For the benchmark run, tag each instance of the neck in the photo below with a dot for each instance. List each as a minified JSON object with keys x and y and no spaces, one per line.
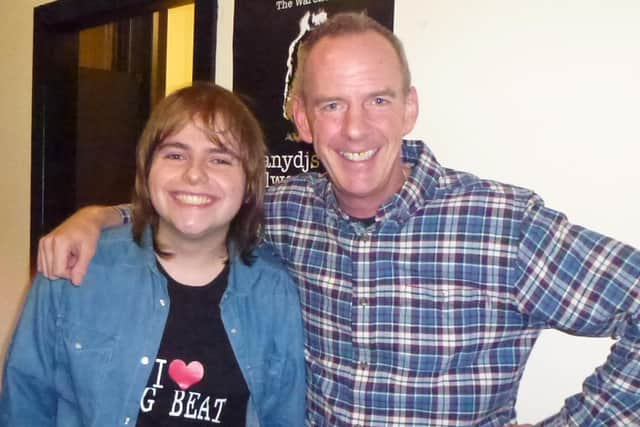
{"x":367,"y":207}
{"x":360,"y":209}
{"x":192,"y":271}
{"x":194,"y":263}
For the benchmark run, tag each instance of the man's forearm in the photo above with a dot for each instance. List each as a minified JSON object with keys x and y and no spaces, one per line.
{"x":124,"y":212}
{"x":67,"y":250}
{"x":108,"y":216}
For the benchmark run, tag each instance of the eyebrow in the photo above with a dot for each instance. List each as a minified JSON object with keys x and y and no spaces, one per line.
{"x":324,"y":99}
{"x":215,"y":148}
{"x":383,"y":92}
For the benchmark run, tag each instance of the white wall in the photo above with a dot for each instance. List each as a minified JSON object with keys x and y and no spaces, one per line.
{"x":540,"y":93}
{"x":544,"y":94}
{"x":16,"y":41}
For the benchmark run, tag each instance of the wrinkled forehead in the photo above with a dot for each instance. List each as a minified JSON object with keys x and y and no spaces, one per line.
{"x":353,"y":60}
{"x":359,"y":47}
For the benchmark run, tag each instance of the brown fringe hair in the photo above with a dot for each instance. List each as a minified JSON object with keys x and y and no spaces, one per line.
{"x":207,"y":104}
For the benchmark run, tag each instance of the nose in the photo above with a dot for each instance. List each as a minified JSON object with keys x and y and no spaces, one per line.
{"x":355,"y":125}
{"x":195,"y":172}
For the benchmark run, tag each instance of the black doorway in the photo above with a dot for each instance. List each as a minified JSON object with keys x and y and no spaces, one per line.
{"x":87,"y":113}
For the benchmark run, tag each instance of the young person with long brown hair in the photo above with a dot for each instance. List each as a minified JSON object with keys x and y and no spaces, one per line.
{"x":182,"y":321}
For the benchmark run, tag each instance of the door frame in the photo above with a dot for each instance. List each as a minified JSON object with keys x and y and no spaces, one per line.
{"x":54,"y":89}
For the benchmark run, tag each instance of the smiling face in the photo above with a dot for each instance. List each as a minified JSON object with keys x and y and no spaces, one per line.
{"x":196,"y":186}
{"x":354,"y":109}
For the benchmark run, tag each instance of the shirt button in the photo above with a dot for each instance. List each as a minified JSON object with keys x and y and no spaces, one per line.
{"x":144,"y":360}
{"x":363,"y":365}
{"x":364,"y":302}
{"x":234,"y":330}
{"x":364,"y":237}
{"x":77,"y":346}
{"x":162,"y":303}
{"x":126,"y":420}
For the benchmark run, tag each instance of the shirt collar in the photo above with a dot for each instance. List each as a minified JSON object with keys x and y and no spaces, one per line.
{"x":417,"y":190}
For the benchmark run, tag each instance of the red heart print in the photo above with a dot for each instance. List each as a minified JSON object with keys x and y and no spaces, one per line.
{"x":186,"y":375}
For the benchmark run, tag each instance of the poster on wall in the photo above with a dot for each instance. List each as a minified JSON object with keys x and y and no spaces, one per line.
{"x":266,"y":34}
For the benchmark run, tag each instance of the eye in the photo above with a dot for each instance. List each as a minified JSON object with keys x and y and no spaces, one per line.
{"x":331,"y":106}
{"x":221,"y":160}
{"x":173,"y":156}
{"x":379,"y":100}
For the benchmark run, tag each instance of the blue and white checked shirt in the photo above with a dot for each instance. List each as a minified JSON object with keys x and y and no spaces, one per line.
{"x":427,"y":316}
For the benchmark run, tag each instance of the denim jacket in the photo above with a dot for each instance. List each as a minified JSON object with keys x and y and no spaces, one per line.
{"x":81,"y":356}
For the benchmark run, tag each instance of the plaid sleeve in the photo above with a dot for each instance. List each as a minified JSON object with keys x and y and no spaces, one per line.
{"x":584,"y":283}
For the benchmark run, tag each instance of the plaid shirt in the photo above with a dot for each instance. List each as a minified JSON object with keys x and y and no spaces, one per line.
{"x":427,"y":316}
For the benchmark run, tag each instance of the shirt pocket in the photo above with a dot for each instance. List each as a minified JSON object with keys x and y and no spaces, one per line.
{"x":85,"y":360}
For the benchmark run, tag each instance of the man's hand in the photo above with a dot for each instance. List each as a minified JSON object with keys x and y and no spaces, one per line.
{"x":67,"y":250}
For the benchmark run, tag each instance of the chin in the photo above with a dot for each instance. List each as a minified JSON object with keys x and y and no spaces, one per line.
{"x":360,"y":185}
{"x":192,"y":231}
{"x":353,"y":193}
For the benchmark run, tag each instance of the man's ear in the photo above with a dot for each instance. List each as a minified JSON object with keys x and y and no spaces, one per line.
{"x":411,"y":110}
{"x":301,"y":119}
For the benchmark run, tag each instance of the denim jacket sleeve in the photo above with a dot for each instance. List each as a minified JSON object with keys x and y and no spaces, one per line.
{"x":584,"y":283}
{"x":286,"y":403}
{"x":28,"y":390}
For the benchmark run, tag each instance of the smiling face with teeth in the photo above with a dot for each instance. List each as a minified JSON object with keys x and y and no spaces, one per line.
{"x":196,"y":186}
{"x":355,"y":108}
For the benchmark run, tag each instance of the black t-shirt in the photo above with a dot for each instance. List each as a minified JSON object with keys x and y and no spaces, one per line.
{"x":196,"y":380}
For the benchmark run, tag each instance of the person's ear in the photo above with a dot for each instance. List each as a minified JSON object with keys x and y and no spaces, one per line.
{"x":301,"y":119}
{"x":411,"y":110}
